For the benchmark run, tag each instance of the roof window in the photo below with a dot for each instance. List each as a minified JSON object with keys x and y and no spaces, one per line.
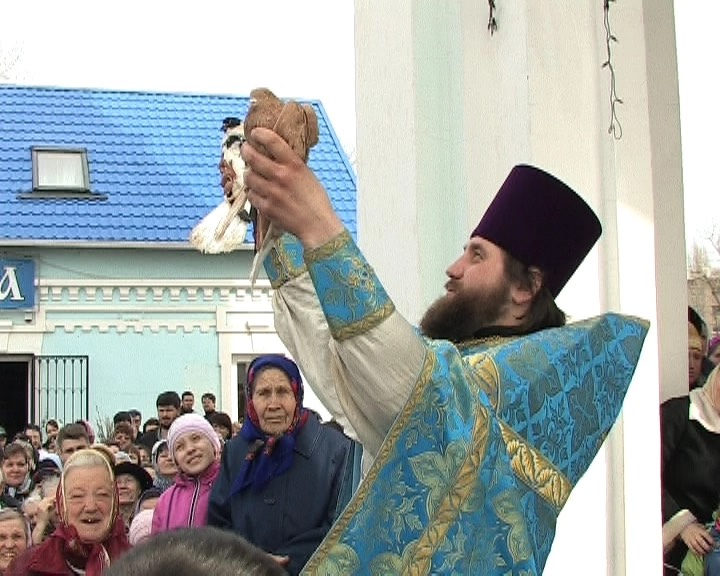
{"x":60,"y":170}
{"x":60,"y":173}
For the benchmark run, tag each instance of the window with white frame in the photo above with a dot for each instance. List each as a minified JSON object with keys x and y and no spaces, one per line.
{"x":60,"y":170}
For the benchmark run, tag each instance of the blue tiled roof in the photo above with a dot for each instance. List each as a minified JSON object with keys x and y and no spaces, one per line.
{"x":153,"y":155}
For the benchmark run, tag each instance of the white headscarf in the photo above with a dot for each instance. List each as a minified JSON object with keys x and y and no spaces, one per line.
{"x":705,"y":403}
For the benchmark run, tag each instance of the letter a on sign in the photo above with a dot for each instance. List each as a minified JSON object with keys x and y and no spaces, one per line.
{"x":9,"y":287}
{"x":17,"y":284}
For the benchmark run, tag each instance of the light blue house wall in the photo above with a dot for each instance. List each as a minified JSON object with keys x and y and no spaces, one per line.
{"x":129,"y":367}
{"x":117,"y":283}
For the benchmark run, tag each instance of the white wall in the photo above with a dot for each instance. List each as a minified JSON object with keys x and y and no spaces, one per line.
{"x":444,"y":110}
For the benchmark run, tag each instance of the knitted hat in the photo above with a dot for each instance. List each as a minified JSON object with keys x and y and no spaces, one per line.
{"x":192,"y":423}
{"x":140,"y":527}
{"x":542,"y":222}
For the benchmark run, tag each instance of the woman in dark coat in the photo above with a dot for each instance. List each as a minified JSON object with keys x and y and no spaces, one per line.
{"x":690,"y":431}
{"x":285,"y":478}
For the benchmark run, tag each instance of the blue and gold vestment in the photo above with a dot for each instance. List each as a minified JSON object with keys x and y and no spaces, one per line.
{"x":482,"y":457}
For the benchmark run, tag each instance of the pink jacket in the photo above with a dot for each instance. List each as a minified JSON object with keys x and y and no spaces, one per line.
{"x":185,"y":503}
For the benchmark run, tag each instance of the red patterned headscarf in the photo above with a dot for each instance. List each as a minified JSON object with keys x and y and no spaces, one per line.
{"x":64,"y":547}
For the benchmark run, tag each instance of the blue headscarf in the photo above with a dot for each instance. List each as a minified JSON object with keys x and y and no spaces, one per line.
{"x":269,"y":456}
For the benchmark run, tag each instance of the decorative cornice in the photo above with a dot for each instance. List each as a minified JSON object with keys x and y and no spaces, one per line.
{"x":156,"y":305}
{"x":195,"y":291}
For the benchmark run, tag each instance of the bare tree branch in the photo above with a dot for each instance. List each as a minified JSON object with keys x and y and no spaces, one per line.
{"x":9,"y":58}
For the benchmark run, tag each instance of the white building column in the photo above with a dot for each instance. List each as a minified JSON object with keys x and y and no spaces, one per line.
{"x":444,"y":110}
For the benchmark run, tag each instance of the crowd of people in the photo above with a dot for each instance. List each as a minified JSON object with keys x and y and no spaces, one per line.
{"x":690,"y":433}
{"x":74,"y":504}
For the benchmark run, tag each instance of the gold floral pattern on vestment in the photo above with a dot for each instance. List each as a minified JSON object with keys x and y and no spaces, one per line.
{"x":536,"y":471}
{"x":458,"y":492}
{"x":331,"y":550}
{"x":485,"y":375}
{"x":329,"y":249}
{"x":342,"y":331}
{"x":286,"y":267}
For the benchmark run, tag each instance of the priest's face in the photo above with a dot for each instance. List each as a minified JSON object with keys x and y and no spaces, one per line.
{"x":477,"y":294}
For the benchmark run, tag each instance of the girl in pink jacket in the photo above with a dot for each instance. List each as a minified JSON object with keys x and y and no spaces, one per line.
{"x":195,"y":448}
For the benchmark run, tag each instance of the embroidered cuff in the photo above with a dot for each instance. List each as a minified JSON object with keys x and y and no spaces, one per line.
{"x":285,"y":261}
{"x":351,"y":296}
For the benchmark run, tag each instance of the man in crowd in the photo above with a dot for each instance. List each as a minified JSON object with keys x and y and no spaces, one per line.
{"x":136,"y":417}
{"x":34,"y":435}
{"x":208,"y":404}
{"x":187,"y":400}
{"x":70,"y":439}
{"x":168,"y":409}
{"x":452,"y":413}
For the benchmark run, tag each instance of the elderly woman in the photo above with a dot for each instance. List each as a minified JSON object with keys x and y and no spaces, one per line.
{"x":285,"y":477}
{"x":131,"y":480}
{"x":91,"y":533}
{"x":14,"y":537}
{"x":690,"y":432}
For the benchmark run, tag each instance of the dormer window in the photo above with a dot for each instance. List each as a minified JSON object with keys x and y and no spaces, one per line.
{"x":60,"y":170}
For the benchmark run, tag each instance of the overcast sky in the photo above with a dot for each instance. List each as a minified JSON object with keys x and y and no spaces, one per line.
{"x":300,"y":49}
{"x":698,"y":47}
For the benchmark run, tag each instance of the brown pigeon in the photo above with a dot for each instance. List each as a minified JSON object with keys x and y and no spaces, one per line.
{"x":297,"y":124}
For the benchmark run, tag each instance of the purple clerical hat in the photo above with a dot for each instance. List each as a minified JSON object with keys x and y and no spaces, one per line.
{"x":541,"y":222}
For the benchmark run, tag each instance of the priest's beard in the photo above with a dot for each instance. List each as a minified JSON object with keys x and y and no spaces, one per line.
{"x":458,"y":316}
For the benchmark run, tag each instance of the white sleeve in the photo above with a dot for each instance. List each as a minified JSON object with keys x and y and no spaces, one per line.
{"x":364,"y":380}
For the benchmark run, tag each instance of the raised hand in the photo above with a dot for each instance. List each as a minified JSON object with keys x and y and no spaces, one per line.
{"x":286,"y":191}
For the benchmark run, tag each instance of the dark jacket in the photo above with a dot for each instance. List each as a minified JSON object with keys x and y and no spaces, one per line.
{"x":7,"y":501}
{"x":291,"y":515}
{"x":148,"y":439}
{"x":690,"y":468}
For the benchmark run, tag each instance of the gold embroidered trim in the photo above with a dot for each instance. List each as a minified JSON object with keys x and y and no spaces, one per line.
{"x":284,"y":264}
{"x":344,"y":331}
{"x":420,"y":562}
{"x":332,"y":539}
{"x":485,"y":375}
{"x":532,"y":468}
{"x":486,"y":341}
{"x":328,"y":249}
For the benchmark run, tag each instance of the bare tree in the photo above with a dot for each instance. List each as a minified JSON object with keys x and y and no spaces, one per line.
{"x":698,"y":262}
{"x":9,"y":59}
{"x":713,"y":237}
{"x":703,"y":282}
